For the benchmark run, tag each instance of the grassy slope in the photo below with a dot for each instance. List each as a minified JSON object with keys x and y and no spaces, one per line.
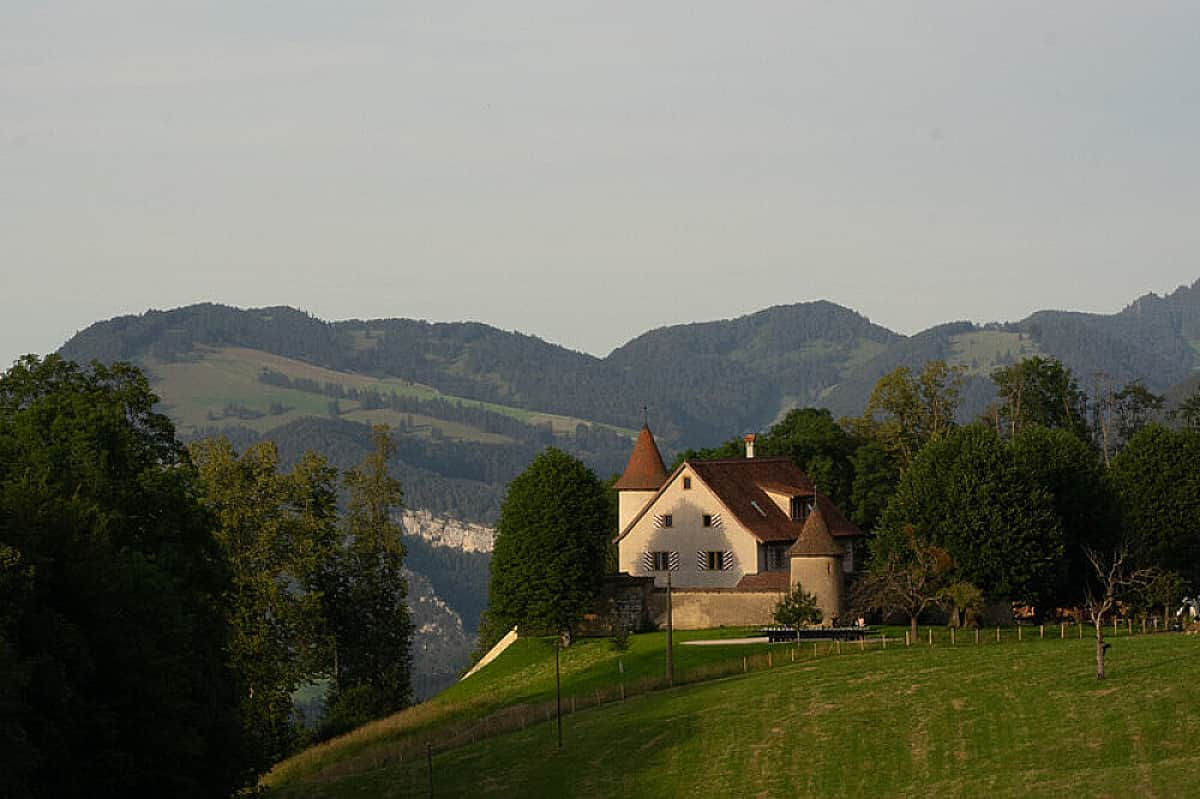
{"x":190,"y":389}
{"x":523,"y":674}
{"x":1023,"y":719}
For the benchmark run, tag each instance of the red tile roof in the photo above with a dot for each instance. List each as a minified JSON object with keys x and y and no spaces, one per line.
{"x":765,"y":581}
{"x":740,"y":484}
{"x":815,"y":538}
{"x":645,"y":470}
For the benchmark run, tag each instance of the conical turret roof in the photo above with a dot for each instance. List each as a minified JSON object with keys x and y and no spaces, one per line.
{"x":815,"y":538}
{"x":645,"y":470}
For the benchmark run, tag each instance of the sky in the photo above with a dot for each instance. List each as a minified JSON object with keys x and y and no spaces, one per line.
{"x":589,"y":171}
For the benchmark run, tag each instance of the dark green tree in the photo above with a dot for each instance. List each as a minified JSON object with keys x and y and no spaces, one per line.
{"x":967,"y":495}
{"x":819,"y":446}
{"x":1089,"y":515}
{"x":1156,"y":477}
{"x":796,"y":608}
{"x":371,"y":625}
{"x":551,"y":542}
{"x":112,"y":630}
{"x":1040,"y":391}
{"x":278,"y":531}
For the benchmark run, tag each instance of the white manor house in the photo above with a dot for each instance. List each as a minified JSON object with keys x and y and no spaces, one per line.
{"x":732,"y":536}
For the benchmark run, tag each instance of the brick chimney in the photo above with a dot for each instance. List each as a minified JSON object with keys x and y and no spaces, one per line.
{"x":749,"y":445}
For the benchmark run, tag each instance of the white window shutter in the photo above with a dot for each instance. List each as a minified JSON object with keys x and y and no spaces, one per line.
{"x":648,"y":561}
{"x":727,"y":560}
{"x":674,"y":561}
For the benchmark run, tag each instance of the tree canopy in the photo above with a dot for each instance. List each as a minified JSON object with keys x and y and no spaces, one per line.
{"x":550,"y":548}
{"x":112,"y":630}
{"x":968,"y":495}
{"x":1156,"y":478}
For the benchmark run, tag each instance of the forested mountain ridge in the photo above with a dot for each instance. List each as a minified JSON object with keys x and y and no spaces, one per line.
{"x":703,"y":381}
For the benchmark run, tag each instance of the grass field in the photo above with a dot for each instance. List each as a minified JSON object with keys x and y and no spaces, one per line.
{"x":1007,"y":720}
{"x":191,"y":389}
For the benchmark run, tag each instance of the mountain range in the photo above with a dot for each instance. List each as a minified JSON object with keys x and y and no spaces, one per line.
{"x":471,"y":405}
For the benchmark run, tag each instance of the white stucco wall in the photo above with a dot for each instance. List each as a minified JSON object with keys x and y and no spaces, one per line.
{"x":689,"y":535}
{"x":629,"y":504}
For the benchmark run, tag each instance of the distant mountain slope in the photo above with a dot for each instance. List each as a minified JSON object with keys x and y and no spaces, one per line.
{"x":703,"y":382}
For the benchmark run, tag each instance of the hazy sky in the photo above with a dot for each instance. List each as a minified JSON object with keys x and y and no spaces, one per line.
{"x":588,"y":171}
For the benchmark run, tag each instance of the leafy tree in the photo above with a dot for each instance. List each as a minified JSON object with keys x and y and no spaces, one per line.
{"x":819,"y":447}
{"x":372,"y":629}
{"x":1189,"y":412}
{"x":875,"y":478}
{"x":1089,"y":516}
{"x":964,"y":600}
{"x":906,"y":411}
{"x":278,"y":532}
{"x":1040,"y":391}
{"x":550,"y":547}
{"x":1156,"y":477}
{"x":909,"y":578}
{"x":111,"y":627}
{"x":967,"y":495}
{"x":797,"y":607}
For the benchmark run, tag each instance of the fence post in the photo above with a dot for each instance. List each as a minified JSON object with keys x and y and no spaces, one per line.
{"x":793,"y":651}
{"x":862,"y":643}
{"x":622,"y":692}
{"x":1042,"y":631}
{"x":931,"y":636}
{"x":1080,"y":626}
{"x":838,"y":642}
{"x":906,"y":642}
{"x":429,"y":765}
{"x":1019,"y":628}
{"x":976,"y":635}
{"x":769,"y":663}
{"x":1063,"y":632}
{"x":1131,"y":625}
{"x":997,"y":634}
{"x":951,"y":636}
{"x":743,"y":665}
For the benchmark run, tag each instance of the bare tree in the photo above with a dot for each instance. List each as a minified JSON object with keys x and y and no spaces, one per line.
{"x":908,"y":582}
{"x":1114,"y":579}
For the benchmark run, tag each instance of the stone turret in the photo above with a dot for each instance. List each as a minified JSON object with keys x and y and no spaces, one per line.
{"x":816,"y":563}
{"x":644,"y":475}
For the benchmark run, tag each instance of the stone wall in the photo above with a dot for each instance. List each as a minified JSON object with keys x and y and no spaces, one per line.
{"x":697,"y":609}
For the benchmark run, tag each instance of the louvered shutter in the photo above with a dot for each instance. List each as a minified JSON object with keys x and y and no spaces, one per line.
{"x":648,"y":561}
{"x":673,"y":560}
{"x":726,"y":560}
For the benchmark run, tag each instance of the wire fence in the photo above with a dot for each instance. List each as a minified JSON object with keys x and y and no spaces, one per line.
{"x":417,"y":750}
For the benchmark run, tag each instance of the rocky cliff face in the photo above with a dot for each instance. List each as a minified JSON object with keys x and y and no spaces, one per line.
{"x":440,"y":647}
{"x":444,"y":531}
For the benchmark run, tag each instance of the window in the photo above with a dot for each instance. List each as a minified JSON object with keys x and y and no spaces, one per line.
{"x":660,"y":561}
{"x":777,"y":559}
{"x":668,"y":520}
{"x":712,"y":560}
{"x":687,"y":484}
{"x":707,"y":520}
{"x":801,"y":507}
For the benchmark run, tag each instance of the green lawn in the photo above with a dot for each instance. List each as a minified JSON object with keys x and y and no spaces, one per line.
{"x":1015,"y":719}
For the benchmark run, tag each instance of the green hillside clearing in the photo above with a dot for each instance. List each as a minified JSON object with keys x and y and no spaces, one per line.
{"x":197,"y":391}
{"x":1016,"y":719}
{"x":982,"y":351}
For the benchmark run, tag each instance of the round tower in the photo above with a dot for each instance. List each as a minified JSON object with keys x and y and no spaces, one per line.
{"x":816,"y":563}
{"x":644,"y":475}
